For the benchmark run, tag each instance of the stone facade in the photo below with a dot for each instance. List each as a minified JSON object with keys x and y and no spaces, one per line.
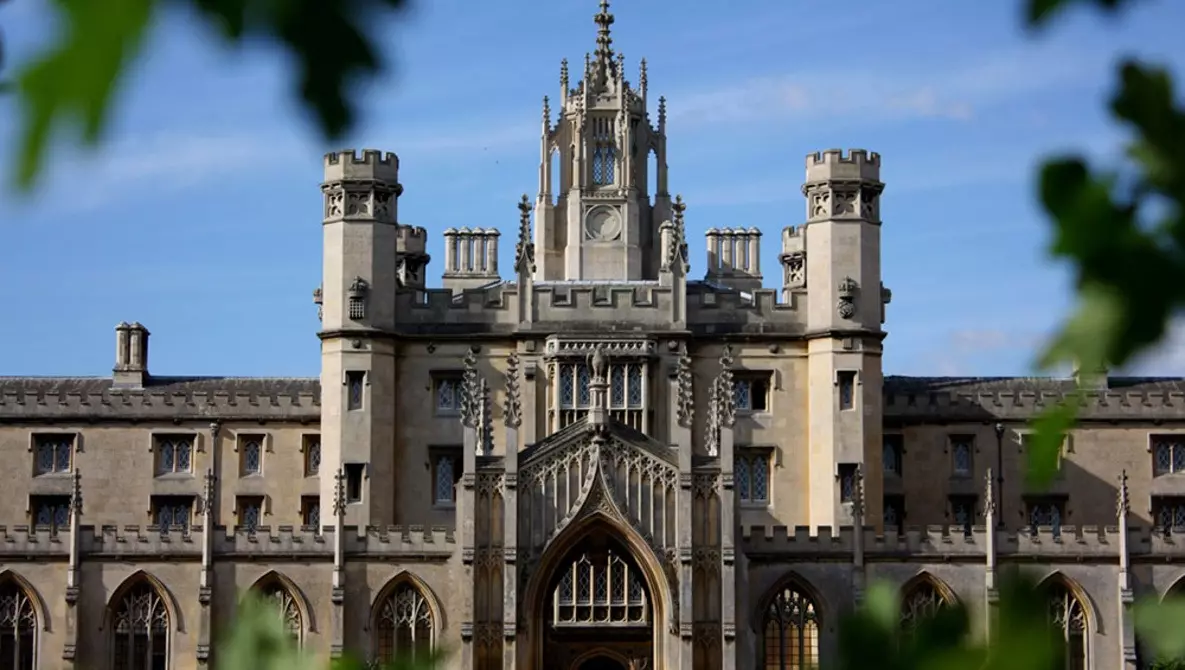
{"x":598,"y":462}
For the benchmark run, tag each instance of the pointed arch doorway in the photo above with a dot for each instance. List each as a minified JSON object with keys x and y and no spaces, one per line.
{"x":596,"y":608}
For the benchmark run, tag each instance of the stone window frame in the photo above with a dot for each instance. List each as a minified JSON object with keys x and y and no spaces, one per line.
{"x":35,"y":438}
{"x":1178,"y":442}
{"x":156,"y":502}
{"x":456,"y":454}
{"x":846,"y":471}
{"x":307,"y":440}
{"x":440,"y":377}
{"x":349,"y":378}
{"x":266,"y":446}
{"x":1060,"y":500}
{"x":894,"y":500}
{"x":196,"y":447}
{"x":265,"y":508}
{"x":36,"y":500}
{"x":898,"y":449}
{"x":767,"y":456}
{"x":971,"y":499}
{"x":846,"y":377}
{"x":362,"y":470}
{"x":751,"y":377}
{"x":954,"y":439}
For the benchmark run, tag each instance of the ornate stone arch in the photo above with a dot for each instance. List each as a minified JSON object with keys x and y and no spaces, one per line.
{"x":923,"y":594}
{"x":794,"y":595}
{"x":599,"y":651}
{"x":138,"y":578}
{"x":1076,"y":603}
{"x":417,"y":587}
{"x":1177,"y":587}
{"x":307,"y":617}
{"x":34,"y":596}
{"x":593,"y":518}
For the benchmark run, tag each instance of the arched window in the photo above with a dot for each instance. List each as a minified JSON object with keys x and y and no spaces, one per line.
{"x":920,"y":601}
{"x":18,"y":627}
{"x":274,"y":592}
{"x":791,"y":631}
{"x":1067,"y":614}
{"x":140,"y":630}
{"x":403,"y":625}
{"x":600,"y":589}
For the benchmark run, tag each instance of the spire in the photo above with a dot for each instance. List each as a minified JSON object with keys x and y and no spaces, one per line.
{"x":605,"y":65}
{"x":524,"y":251}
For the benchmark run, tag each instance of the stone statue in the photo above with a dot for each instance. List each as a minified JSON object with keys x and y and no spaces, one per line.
{"x":598,"y":364}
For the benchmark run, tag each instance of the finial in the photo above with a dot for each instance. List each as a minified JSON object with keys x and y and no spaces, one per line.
{"x":546,"y":112}
{"x":727,"y":388}
{"x":76,"y":493}
{"x":679,"y":243}
{"x":678,"y":207}
{"x":339,"y":492}
{"x":604,"y":20}
{"x":662,"y":112}
{"x":858,"y":494}
{"x":524,"y":251}
{"x":564,"y":76}
{"x":1123,"y":508}
{"x":989,"y":497}
{"x":512,"y":407}
{"x":642,"y":81}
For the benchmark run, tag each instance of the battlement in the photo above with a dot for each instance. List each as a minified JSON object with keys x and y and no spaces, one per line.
{"x":298,"y":400}
{"x":594,"y":306}
{"x":972,"y":405}
{"x":857,"y":164}
{"x":954,"y":541}
{"x":108,"y":541}
{"x":411,"y":240}
{"x":370,"y":165}
{"x":793,"y":240}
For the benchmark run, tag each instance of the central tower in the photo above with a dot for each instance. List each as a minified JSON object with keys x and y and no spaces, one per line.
{"x":594,"y":218}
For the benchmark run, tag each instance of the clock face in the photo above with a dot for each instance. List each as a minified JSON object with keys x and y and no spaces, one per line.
{"x":602,"y":224}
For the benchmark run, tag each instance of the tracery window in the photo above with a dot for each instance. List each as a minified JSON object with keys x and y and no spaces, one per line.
{"x":604,"y":153}
{"x":962,"y":454}
{"x":252,"y":456}
{"x":920,"y":602}
{"x":140,"y":630}
{"x":751,"y":477}
{"x":1168,"y":454}
{"x":1068,"y":616}
{"x":403,"y":626}
{"x":278,"y":596}
{"x":627,"y":383}
{"x":600,"y":590}
{"x":174,"y":454}
{"x":18,"y":627}
{"x":791,"y":631}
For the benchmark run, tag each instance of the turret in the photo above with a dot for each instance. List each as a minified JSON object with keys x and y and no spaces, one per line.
{"x":840,"y":248}
{"x":368,"y":256}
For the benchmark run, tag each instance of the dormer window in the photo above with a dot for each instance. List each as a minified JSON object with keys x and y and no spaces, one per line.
{"x":357,"y":295}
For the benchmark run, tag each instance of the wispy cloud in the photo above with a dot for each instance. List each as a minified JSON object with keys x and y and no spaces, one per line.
{"x":957,"y":92}
{"x":1167,"y":358}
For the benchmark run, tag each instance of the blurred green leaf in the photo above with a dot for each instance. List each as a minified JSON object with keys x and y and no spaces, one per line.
{"x":259,"y":640}
{"x":330,"y":42}
{"x":1039,"y":12}
{"x":1160,"y":625}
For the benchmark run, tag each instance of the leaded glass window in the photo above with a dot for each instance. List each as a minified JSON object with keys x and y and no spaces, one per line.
{"x":51,"y":511}
{"x":18,"y":627}
{"x":284,"y":602}
{"x":791,"y":631}
{"x":310,"y":511}
{"x":962,"y":509}
{"x":1067,"y":615}
{"x":140,"y":630}
{"x":172,"y":512}
{"x":751,"y":476}
{"x":600,"y":589}
{"x":174,"y":454}
{"x":53,"y":453}
{"x":751,"y":393}
{"x":1168,"y":454}
{"x":250,"y":512}
{"x":403,"y":626}
{"x":312,"y":455}
{"x":446,"y":471}
{"x":448,"y":394}
{"x":1046,"y":514}
{"x":1169,"y":513}
{"x":626,"y":392}
{"x":961,"y":455}
{"x":252,"y":456}
{"x":355,"y":389}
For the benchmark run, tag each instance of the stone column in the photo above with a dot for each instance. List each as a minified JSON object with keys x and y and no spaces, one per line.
{"x":858,"y":575}
{"x":471,"y":416}
{"x":338,"y":594}
{"x":725,"y":409}
{"x":512,"y":415}
{"x":1127,"y":659}
{"x":991,"y":588}
{"x":70,"y":647}
{"x":681,"y":416}
{"x":206,"y":576}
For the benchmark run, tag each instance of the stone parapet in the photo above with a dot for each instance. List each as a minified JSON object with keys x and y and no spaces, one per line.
{"x":955,"y":542}
{"x":423,"y":543}
{"x":1021,"y":405}
{"x":170,"y":405}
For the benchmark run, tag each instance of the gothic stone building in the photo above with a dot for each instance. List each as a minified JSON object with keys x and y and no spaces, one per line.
{"x":597,"y":462}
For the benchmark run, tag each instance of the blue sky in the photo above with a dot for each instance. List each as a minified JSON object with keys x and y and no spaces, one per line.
{"x":199,"y":217}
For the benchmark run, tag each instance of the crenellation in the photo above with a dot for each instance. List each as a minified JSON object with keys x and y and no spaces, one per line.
{"x":25,"y":540}
{"x":1020,"y":405}
{"x":835,"y":164}
{"x":367,"y":165}
{"x":171,"y":405}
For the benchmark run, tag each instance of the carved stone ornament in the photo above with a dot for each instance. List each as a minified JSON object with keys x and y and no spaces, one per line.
{"x":470,"y":404}
{"x":721,"y":403}
{"x":512,"y":407}
{"x":358,"y":288}
{"x":598,"y":365}
{"x":685,"y":399}
{"x":858,"y":496}
{"x":795,"y":266}
{"x":989,"y":497}
{"x":524,"y":251}
{"x":847,"y":298}
{"x":678,"y":255}
{"x":1123,"y":502}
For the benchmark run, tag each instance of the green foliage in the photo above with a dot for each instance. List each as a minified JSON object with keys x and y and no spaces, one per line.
{"x":73,"y":81}
{"x":258,"y":640}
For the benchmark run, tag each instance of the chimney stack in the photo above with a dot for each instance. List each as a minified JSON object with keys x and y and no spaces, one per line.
{"x":131,"y":355}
